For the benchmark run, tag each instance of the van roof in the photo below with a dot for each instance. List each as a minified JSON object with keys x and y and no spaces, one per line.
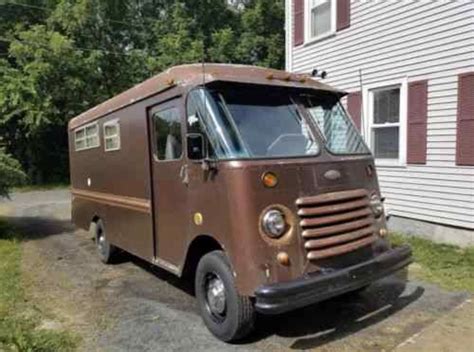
{"x":196,"y":74}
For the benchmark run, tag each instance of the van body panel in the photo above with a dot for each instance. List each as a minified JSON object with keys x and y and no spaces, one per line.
{"x":113,"y":179}
{"x":115,"y":185}
{"x":154,"y":209}
{"x":241,"y":199}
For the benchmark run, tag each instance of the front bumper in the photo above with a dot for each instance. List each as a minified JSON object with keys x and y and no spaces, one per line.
{"x":282,"y":297}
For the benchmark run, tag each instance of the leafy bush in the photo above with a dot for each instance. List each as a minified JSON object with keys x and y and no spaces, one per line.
{"x":10,"y":173}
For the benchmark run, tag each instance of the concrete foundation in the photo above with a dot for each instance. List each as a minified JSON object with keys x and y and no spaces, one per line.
{"x":431,"y":231}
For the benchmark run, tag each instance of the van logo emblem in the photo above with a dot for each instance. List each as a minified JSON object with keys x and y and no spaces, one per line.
{"x":332,"y":175}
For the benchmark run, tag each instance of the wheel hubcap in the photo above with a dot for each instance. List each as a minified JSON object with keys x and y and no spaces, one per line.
{"x":101,"y":243}
{"x":215,"y":293}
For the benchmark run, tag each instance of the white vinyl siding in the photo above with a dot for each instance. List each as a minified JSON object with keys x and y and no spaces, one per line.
{"x":408,"y":41}
{"x":86,"y":137}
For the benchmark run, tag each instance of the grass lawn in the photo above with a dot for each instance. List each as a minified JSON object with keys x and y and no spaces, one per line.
{"x":448,"y":266}
{"x":20,"y":320}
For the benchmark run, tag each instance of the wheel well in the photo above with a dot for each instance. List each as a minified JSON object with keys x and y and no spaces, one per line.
{"x":199,"y":247}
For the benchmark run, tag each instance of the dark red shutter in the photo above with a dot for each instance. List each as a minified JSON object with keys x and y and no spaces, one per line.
{"x":354,"y":101}
{"x":465,"y":125}
{"x":417,"y":120}
{"x":298,"y":22}
{"x":343,"y":14}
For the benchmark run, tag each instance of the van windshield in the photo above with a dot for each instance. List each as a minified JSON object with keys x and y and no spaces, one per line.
{"x":254,"y":122}
{"x":339,"y":133}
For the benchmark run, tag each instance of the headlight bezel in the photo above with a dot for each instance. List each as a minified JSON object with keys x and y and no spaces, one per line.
{"x":288,"y":235}
{"x":376,"y":205}
{"x":274,"y":223}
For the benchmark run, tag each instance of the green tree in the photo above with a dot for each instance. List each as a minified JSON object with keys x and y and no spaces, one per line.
{"x":59,"y":58}
{"x":262,"y":41}
{"x":10,"y":173}
{"x":46,"y":87}
{"x":178,"y":39}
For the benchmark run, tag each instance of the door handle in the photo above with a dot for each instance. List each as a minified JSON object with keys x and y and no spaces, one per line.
{"x":183,"y":174}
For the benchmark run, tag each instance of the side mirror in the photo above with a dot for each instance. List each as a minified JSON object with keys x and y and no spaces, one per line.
{"x":196,"y":150}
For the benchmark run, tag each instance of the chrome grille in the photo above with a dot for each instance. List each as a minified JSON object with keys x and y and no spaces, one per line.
{"x":336,"y":223}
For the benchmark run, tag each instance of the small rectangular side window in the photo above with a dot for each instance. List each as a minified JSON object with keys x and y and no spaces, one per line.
{"x":112,"y":135}
{"x":87,"y":137}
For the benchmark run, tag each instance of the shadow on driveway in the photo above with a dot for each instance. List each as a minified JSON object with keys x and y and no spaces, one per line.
{"x":331,"y":320}
{"x":306,"y":328}
{"x":328,"y":321}
{"x":32,"y":227}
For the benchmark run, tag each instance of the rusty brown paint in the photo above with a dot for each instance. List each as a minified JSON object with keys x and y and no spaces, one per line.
{"x":335,"y":218}
{"x":335,"y":251}
{"x":340,"y":228}
{"x":333,"y":208}
{"x":330,"y":197}
{"x":141,"y":205}
{"x":333,"y":240}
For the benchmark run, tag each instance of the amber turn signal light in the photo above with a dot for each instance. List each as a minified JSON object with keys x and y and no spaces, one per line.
{"x":283,"y":258}
{"x":269,"y":179}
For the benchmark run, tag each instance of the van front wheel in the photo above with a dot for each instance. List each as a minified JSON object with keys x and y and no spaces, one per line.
{"x":228,"y":315}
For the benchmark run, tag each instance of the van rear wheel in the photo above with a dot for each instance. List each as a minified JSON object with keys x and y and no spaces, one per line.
{"x":107,"y":252}
{"x":228,"y":315}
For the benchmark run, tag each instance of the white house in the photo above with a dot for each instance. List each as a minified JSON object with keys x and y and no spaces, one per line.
{"x":409,"y":69}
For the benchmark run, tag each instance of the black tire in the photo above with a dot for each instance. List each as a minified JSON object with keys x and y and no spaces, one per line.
{"x":107,"y":252}
{"x":238,"y":318}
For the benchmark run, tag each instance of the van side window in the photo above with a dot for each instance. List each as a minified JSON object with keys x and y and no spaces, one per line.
{"x":112,"y":135}
{"x":194,"y":119}
{"x":167,"y":128}
{"x":86,"y":137}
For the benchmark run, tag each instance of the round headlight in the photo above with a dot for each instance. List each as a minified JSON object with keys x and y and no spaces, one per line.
{"x":376,"y":205}
{"x":273,"y":223}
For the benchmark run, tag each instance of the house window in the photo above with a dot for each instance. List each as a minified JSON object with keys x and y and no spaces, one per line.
{"x":321,"y":18}
{"x":167,"y":128}
{"x":87,"y":137}
{"x":385,"y":123}
{"x":112,"y":135}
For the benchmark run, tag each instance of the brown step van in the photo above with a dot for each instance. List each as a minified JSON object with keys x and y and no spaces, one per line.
{"x":254,"y":182}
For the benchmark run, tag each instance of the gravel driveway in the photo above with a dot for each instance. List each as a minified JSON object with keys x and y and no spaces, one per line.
{"x":132,"y":306}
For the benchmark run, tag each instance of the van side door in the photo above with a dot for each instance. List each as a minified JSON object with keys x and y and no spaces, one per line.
{"x":169,"y":169}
